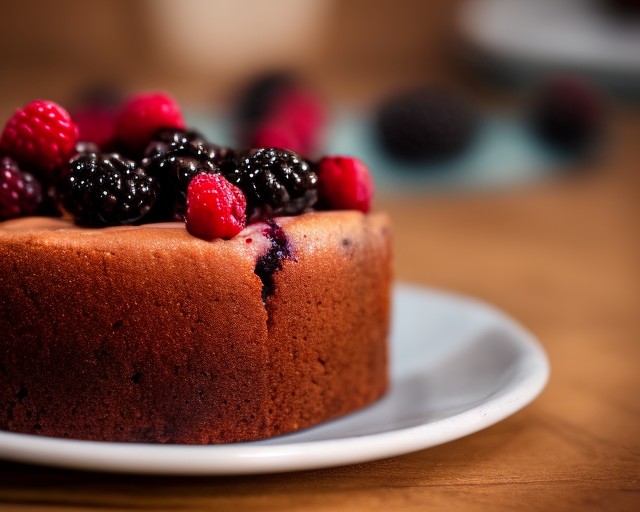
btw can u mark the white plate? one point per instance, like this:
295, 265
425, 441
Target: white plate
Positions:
546, 36
458, 366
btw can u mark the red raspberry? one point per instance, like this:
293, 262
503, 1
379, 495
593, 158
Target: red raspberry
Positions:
41, 136
96, 125
300, 114
274, 135
20, 192
143, 115
344, 183
215, 208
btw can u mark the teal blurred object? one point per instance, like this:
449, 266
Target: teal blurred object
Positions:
504, 154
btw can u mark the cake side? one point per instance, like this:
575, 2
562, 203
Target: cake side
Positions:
131, 334
329, 318
147, 334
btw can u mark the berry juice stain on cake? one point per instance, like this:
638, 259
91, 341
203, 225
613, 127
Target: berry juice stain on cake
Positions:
270, 262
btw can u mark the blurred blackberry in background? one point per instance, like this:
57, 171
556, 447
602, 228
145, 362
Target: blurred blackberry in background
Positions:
261, 93
274, 181
107, 189
568, 113
425, 123
174, 158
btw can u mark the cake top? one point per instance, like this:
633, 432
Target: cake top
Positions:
153, 169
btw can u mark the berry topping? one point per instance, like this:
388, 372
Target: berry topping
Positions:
181, 155
275, 181
425, 124
174, 158
215, 208
20, 192
568, 113
40, 136
106, 189
143, 115
344, 183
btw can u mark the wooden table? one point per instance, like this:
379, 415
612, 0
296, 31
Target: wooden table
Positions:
564, 258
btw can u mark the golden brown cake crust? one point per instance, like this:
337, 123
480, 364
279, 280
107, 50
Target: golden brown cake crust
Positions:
149, 334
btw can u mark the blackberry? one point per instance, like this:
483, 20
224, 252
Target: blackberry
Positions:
174, 158
107, 189
425, 123
20, 192
181, 155
275, 181
568, 113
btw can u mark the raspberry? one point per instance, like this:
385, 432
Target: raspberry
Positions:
344, 183
143, 115
106, 190
294, 123
215, 208
275, 135
425, 123
41, 136
20, 192
304, 113
568, 113
274, 181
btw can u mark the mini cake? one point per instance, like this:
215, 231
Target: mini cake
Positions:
147, 333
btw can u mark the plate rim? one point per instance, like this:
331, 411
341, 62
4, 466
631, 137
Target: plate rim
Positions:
254, 458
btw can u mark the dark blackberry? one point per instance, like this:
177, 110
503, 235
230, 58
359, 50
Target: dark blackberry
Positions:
20, 192
425, 123
107, 189
275, 181
182, 155
174, 158
568, 113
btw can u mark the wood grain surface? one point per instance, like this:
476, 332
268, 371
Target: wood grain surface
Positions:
564, 258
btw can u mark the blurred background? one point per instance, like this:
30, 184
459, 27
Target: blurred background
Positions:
528, 169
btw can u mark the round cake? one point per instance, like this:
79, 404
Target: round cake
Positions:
149, 334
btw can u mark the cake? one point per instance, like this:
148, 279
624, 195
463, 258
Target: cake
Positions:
149, 334
273, 318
